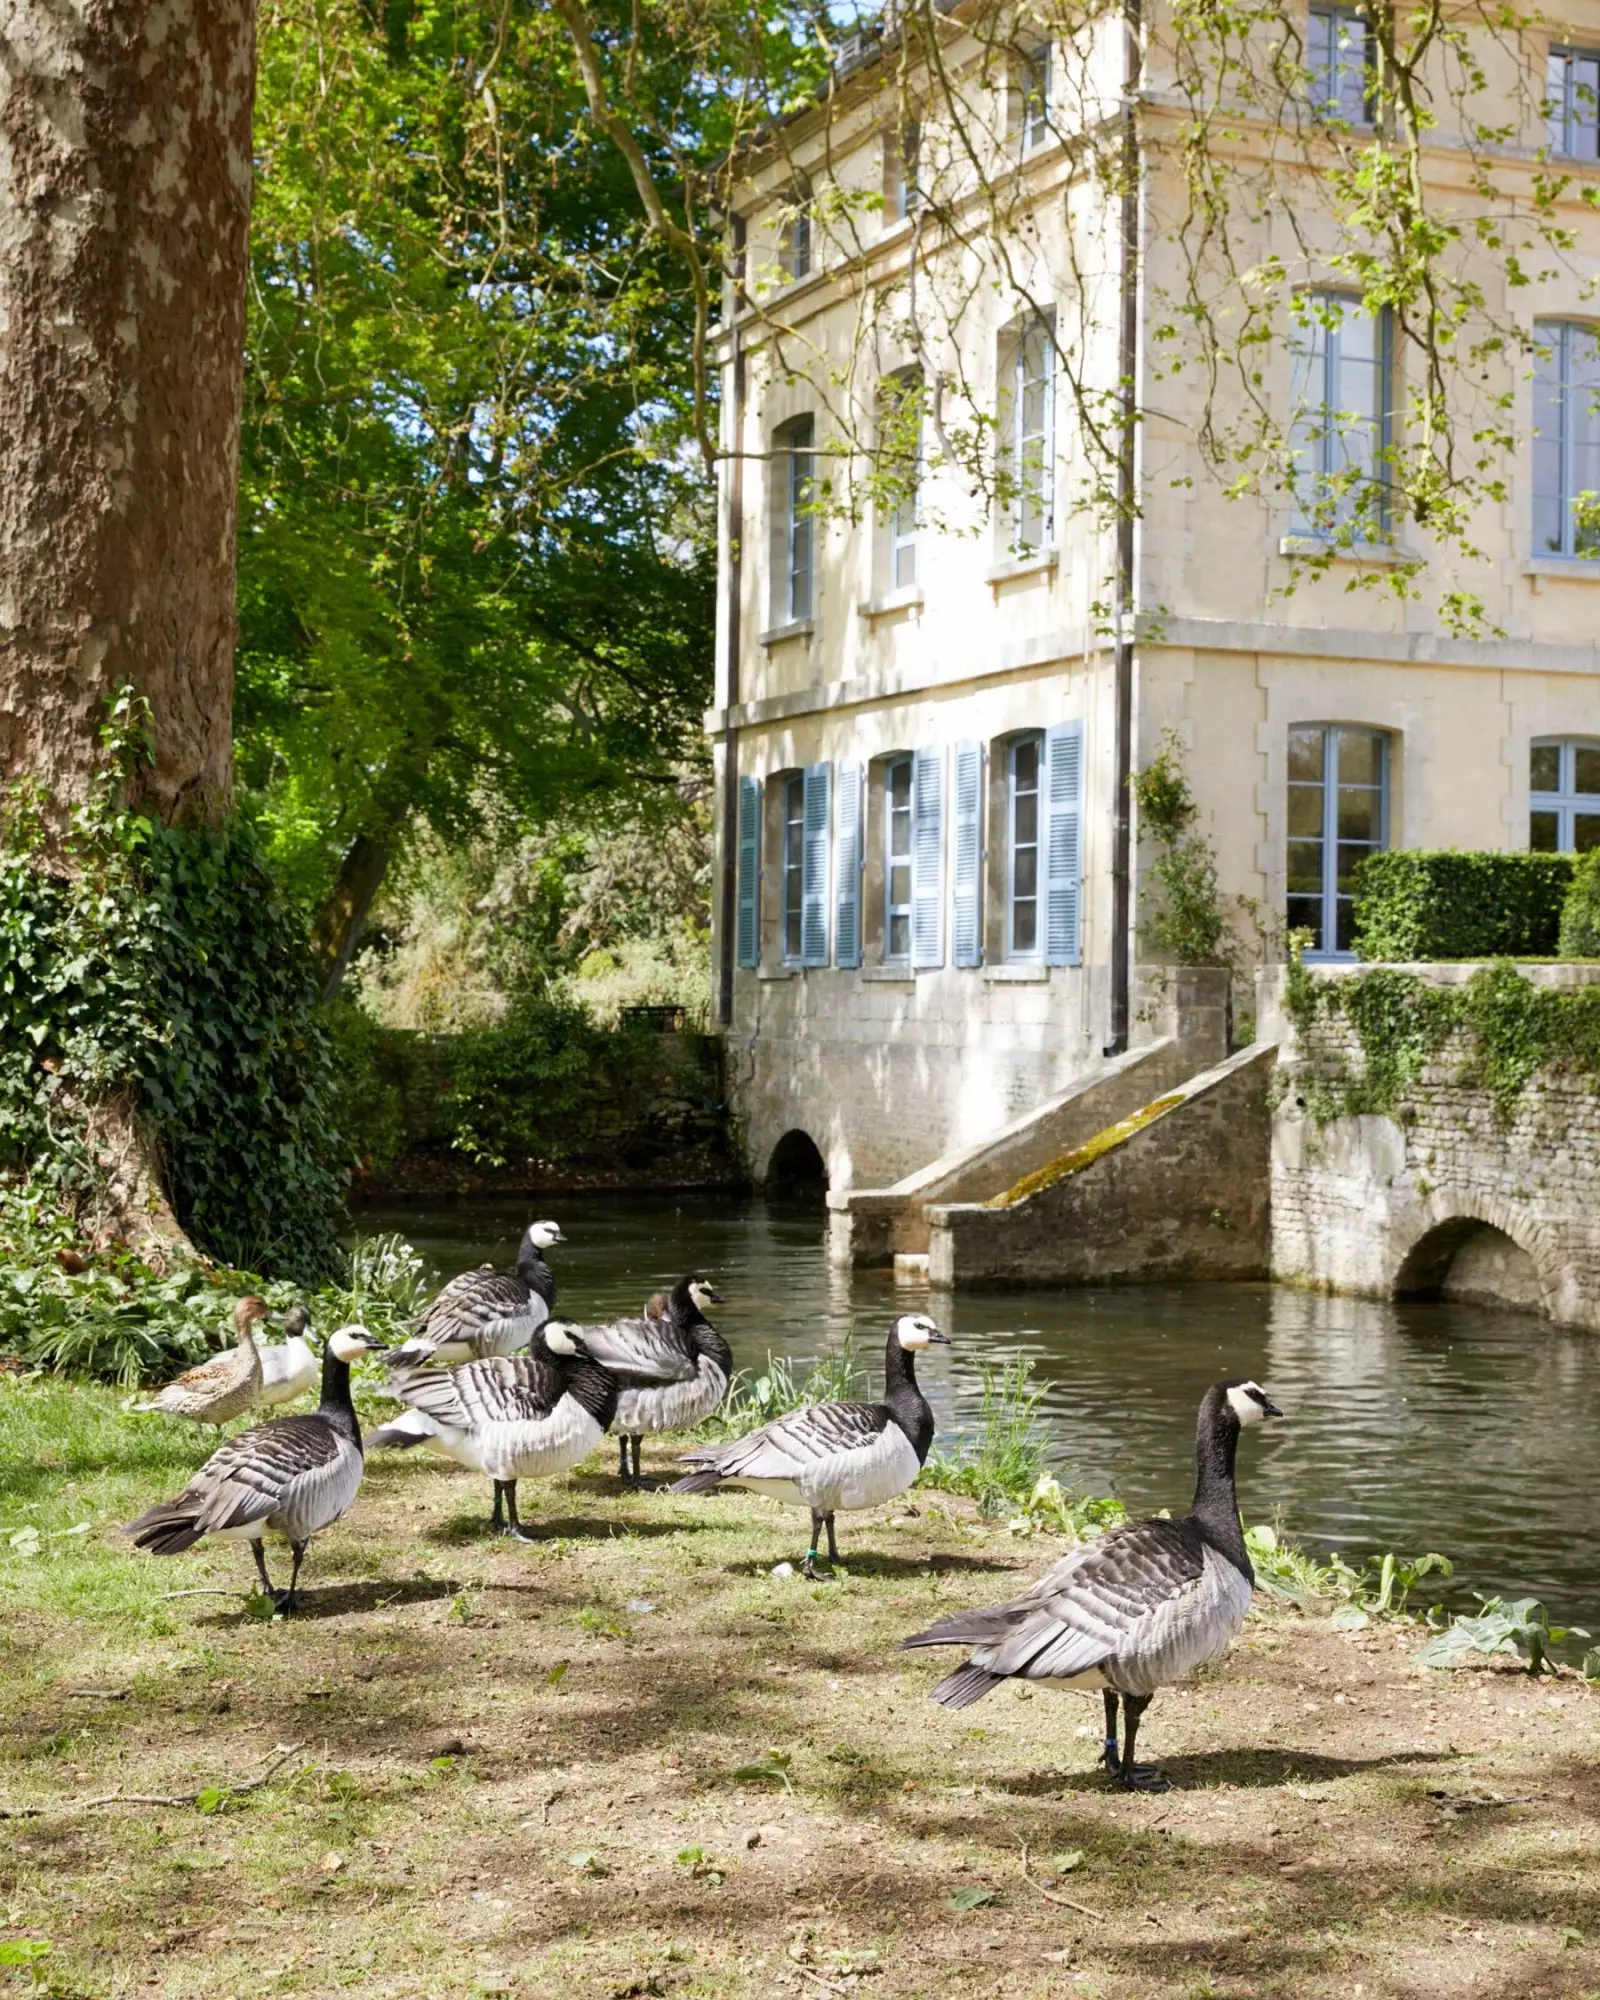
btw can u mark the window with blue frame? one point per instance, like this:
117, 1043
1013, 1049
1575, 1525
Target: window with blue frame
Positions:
1566, 440
1338, 815
1339, 428
1023, 768
1572, 103
897, 861
1564, 801
794, 867
1027, 434
1339, 65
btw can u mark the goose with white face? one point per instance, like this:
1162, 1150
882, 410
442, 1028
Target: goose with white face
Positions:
565, 1339
915, 1331
1251, 1404
545, 1235
351, 1342
671, 1364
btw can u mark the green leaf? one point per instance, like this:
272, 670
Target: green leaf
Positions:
24, 1951
213, 1799
969, 1899
770, 1764
1065, 1863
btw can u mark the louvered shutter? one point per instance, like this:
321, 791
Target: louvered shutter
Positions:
748, 927
814, 866
1063, 842
966, 856
927, 858
847, 900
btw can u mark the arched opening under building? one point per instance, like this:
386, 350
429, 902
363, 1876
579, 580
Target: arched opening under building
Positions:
796, 1170
1471, 1262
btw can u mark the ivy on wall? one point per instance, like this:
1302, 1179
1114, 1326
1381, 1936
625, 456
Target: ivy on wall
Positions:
163, 965
1512, 1030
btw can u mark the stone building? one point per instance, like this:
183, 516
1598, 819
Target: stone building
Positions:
928, 702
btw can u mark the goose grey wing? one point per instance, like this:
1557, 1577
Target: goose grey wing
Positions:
804, 1437
485, 1311
639, 1352
248, 1477
502, 1390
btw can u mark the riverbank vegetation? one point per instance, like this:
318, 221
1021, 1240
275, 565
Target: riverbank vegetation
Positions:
629, 1759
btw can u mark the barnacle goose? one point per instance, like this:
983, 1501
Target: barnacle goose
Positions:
485, 1311
288, 1368
1142, 1607
223, 1388
294, 1475
672, 1365
834, 1456
522, 1416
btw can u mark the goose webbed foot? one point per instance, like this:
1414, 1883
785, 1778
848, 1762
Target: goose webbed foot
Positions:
1130, 1776
1142, 1778
511, 1526
286, 1602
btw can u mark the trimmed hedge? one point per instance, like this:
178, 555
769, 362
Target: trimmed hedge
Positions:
1413, 905
1580, 915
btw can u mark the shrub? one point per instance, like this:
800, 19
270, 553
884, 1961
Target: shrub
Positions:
1413, 905
1580, 914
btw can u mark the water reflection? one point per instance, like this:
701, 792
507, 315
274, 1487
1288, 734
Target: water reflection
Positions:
1411, 1427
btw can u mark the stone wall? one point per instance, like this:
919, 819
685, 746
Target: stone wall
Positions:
1178, 1192
1448, 1196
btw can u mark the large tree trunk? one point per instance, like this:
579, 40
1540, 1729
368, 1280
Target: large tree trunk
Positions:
124, 202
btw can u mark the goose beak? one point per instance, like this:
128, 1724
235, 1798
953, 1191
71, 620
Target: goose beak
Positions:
714, 1295
1270, 1407
940, 1340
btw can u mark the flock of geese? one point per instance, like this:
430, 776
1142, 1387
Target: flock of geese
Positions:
489, 1377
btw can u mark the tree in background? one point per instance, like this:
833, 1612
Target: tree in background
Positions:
475, 565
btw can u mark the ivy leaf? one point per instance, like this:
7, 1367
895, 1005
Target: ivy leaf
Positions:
970, 1898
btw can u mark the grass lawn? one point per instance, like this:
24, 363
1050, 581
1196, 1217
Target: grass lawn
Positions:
628, 1761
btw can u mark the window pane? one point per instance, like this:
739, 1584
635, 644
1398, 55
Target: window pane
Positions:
1025, 825
1351, 854
1544, 767
1305, 914
791, 934
1025, 871
1305, 753
1360, 814
1025, 766
900, 885
1360, 757
900, 937
1024, 927
900, 783
1305, 811
1305, 867
1345, 927
1586, 768
1555, 95
1544, 832
1549, 502
1583, 127
1585, 832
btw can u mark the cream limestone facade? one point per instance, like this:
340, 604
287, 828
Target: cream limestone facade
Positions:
893, 1010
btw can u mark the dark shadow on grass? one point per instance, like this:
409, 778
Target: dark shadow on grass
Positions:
343, 1600
862, 1563
569, 1528
1240, 1769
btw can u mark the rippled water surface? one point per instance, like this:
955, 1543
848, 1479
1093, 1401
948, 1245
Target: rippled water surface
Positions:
1408, 1427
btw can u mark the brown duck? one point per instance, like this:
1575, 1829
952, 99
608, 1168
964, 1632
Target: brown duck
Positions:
224, 1388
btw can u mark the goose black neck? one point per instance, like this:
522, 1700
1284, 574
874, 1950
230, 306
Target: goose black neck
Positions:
904, 1400
1216, 1498
595, 1388
336, 1407
681, 1307
534, 1272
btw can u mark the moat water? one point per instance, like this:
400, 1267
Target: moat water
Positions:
1408, 1427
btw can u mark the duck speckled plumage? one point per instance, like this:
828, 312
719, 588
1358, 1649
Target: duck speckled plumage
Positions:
225, 1387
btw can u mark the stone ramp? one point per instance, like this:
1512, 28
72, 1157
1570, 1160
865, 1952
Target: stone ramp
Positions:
875, 1225
1174, 1188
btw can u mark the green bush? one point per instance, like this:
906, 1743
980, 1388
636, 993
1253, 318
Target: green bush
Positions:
1412, 905
164, 965
1580, 914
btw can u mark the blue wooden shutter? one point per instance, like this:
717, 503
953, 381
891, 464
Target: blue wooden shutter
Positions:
1063, 843
927, 858
966, 857
748, 928
814, 866
847, 902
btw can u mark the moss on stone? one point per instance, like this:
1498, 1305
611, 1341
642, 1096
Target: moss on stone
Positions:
1085, 1155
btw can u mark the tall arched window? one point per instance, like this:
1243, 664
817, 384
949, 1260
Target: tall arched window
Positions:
1566, 440
1564, 806
1338, 815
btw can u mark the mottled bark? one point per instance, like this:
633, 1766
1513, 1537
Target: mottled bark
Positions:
124, 202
